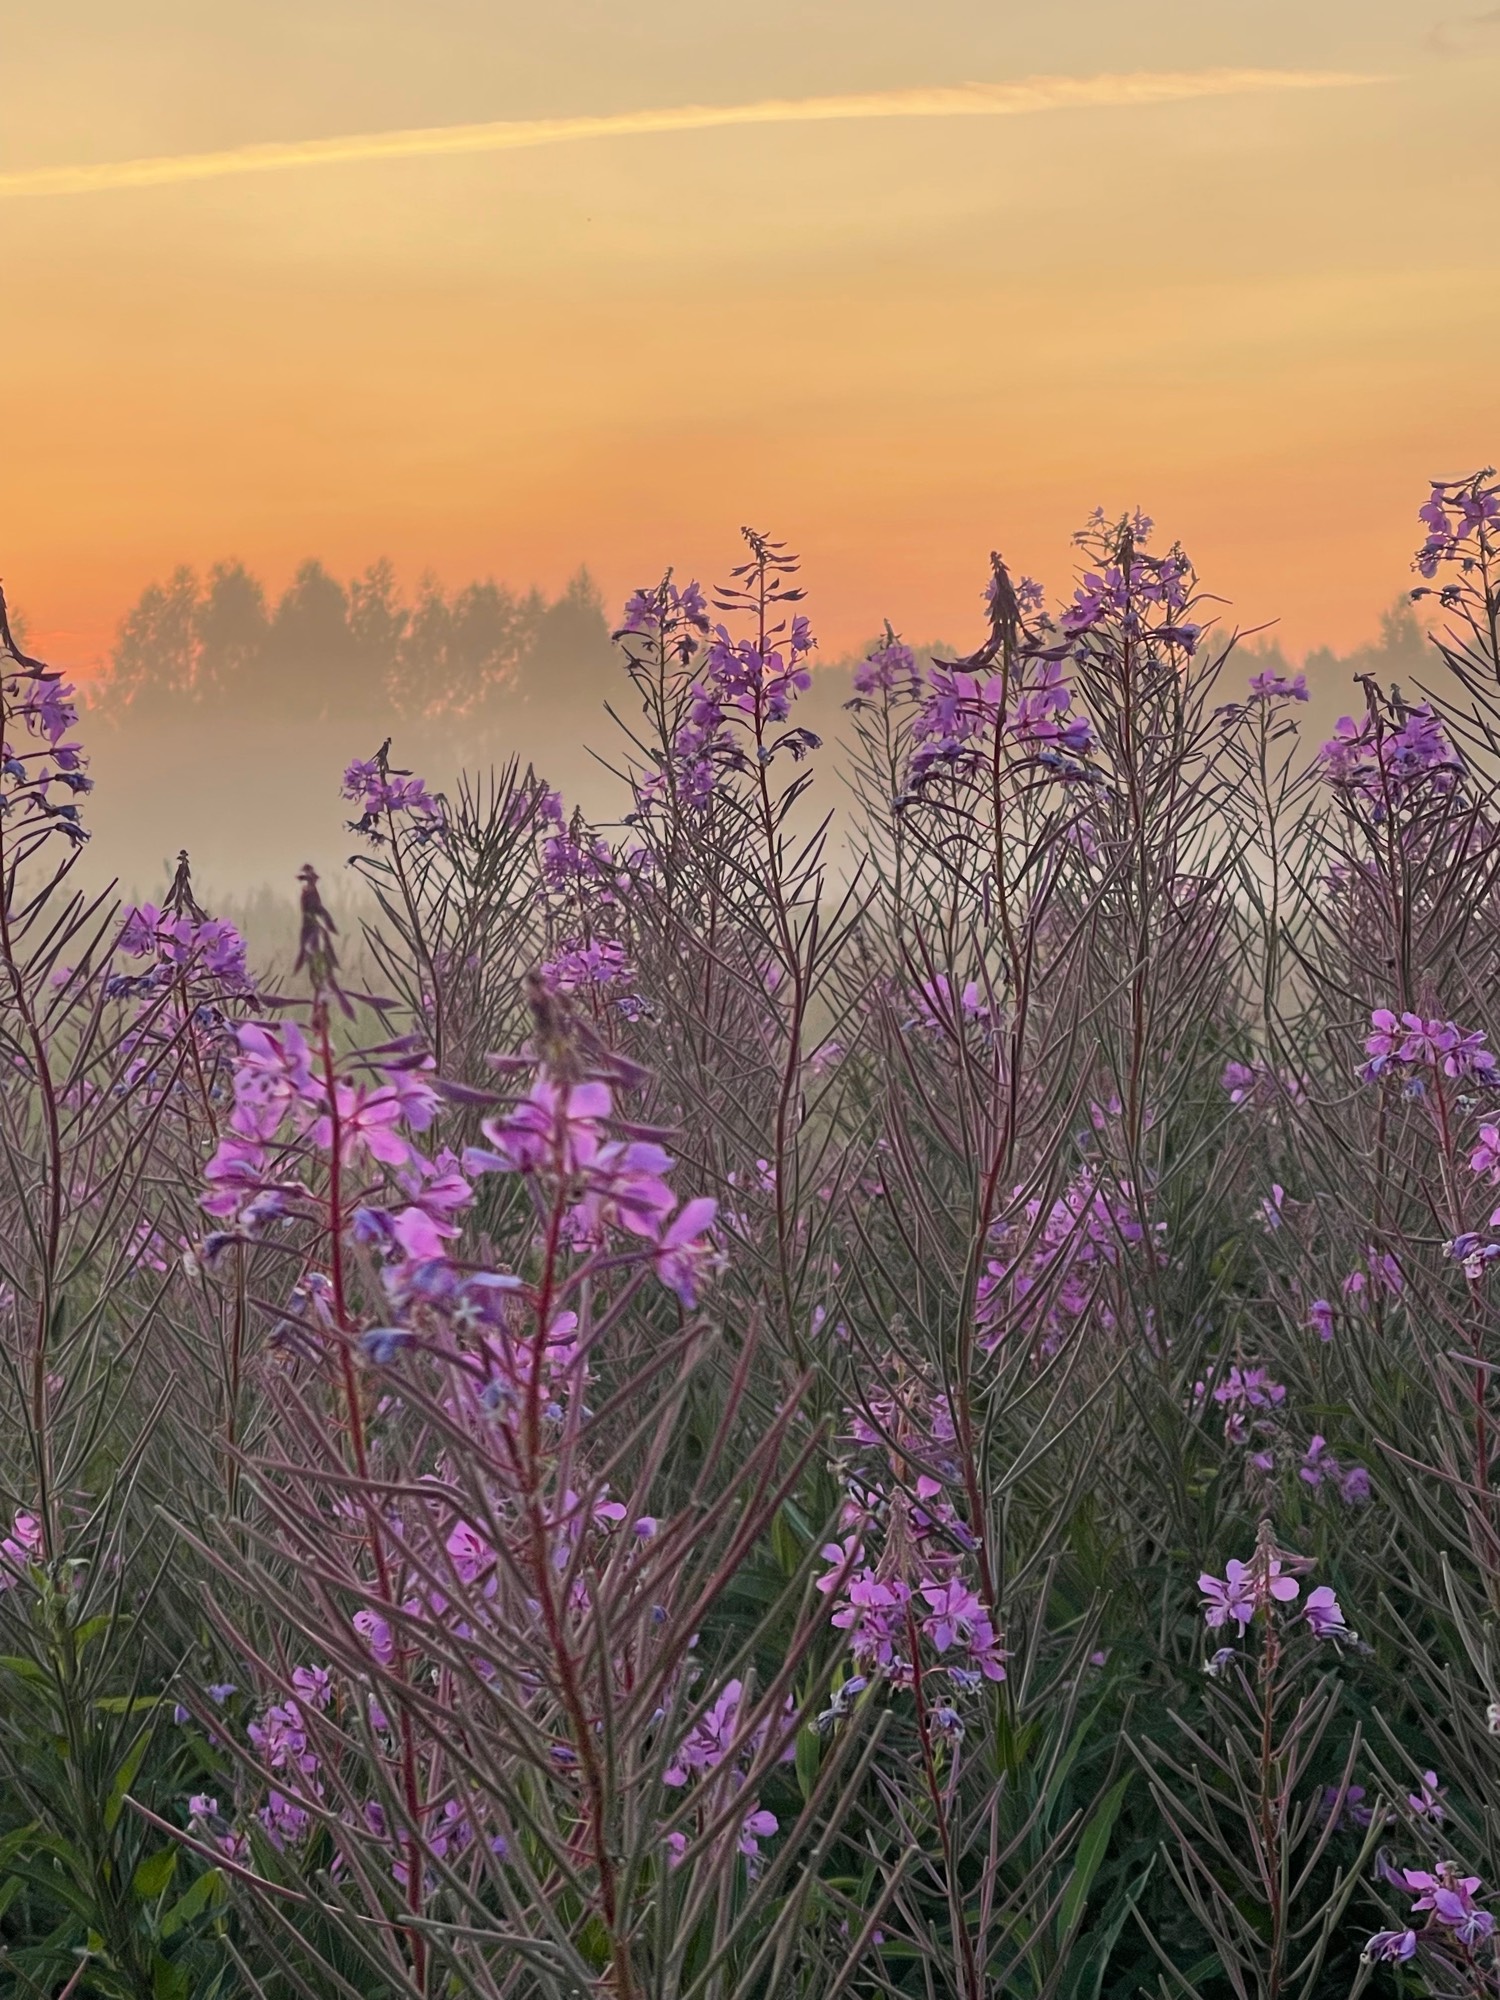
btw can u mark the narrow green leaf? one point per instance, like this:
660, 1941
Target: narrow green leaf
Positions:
809, 1757
124, 1779
1092, 1845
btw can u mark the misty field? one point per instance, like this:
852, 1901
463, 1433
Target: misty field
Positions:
873, 1377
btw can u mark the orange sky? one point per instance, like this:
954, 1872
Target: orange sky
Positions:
1264, 316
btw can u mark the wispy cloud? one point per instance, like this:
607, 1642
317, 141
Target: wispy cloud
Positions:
975, 100
1457, 37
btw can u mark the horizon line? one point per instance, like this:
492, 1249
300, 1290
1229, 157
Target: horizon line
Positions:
1025, 97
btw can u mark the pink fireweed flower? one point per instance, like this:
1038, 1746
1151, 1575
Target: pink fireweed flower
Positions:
872, 1612
1243, 1590
664, 609
1411, 1041
1390, 763
238, 1171
1390, 1947
712, 1738
1485, 1158
685, 1255
1427, 1803
758, 1826
313, 1685
626, 1189
955, 1608
1384, 1042
281, 1740
1450, 1898
286, 1824
579, 966
19, 1549
1324, 1618
1239, 1081
273, 1077
1249, 1388
1346, 1807
376, 1633
1320, 1468
1318, 1463
959, 1618
1082, 1233
555, 1125
937, 1008
207, 946
419, 1236
470, 1554
1230, 1596
370, 1118
1382, 1273
376, 792
845, 1557
438, 1189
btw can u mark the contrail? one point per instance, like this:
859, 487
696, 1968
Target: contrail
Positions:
973, 100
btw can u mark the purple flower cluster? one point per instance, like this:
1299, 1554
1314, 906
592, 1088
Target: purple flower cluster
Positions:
674, 619
1125, 593
944, 1007
382, 796
889, 669
1389, 766
1270, 686
578, 867
205, 948
1029, 711
720, 700
1059, 1255
1247, 1396
1320, 1469
1460, 517
1407, 1044
883, 1614
562, 1131
280, 1098
1380, 1277
1445, 1899
900, 1580
42, 770
579, 966
1258, 1084
1259, 1588
713, 1756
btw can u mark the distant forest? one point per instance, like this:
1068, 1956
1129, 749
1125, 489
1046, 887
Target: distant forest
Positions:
219, 646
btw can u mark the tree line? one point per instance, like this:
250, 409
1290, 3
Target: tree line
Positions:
218, 646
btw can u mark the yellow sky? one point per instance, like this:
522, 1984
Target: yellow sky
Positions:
891, 326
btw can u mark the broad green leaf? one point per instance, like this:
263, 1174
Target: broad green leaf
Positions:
207, 1890
154, 1873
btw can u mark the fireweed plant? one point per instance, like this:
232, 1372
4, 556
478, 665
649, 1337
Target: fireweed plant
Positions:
878, 1379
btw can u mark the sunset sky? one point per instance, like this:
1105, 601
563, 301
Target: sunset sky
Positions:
1265, 308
